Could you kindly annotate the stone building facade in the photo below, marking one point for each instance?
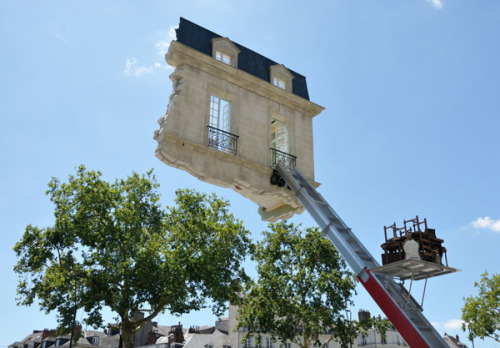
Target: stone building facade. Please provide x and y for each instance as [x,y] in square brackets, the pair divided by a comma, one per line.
[232,115]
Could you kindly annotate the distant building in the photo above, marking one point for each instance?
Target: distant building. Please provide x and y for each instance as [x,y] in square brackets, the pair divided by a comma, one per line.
[222,335]
[454,342]
[225,335]
[50,339]
[233,114]
[33,340]
[392,339]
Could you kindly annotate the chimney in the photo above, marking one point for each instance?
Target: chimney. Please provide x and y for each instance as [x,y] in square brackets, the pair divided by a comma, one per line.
[363,315]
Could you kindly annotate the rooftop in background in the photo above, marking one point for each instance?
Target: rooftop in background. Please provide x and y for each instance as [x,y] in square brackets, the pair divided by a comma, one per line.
[199,38]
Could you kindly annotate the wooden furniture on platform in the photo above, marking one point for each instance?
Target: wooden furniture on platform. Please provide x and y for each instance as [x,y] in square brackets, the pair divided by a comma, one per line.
[430,248]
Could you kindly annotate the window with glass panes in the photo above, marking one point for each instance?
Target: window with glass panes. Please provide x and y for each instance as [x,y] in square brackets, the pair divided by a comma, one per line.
[279,83]
[223,57]
[279,138]
[220,113]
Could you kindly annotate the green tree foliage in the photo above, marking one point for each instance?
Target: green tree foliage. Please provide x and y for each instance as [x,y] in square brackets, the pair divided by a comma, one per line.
[302,291]
[112,245]
[481,313]
[379,324]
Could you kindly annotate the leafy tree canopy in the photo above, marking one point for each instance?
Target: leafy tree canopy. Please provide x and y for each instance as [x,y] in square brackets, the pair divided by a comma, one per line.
[302,291]
[377,323]
[481,313]
[113,245]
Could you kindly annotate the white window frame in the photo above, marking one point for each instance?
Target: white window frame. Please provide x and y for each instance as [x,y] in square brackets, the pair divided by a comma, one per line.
[279,135]
[223,57]
[219,124]
[248,343]
[280,83]
[220,113]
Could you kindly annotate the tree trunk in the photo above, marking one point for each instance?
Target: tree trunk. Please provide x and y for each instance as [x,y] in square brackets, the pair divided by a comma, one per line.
[128,331]
[305,339]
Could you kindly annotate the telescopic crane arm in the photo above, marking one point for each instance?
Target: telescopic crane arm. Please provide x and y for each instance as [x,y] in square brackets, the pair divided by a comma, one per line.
[394,300]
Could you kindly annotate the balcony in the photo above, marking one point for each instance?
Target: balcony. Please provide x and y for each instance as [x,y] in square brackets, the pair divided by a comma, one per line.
[222,140]
[289,161]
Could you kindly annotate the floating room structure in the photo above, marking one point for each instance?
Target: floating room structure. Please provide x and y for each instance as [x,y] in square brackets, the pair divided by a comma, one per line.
[232,115]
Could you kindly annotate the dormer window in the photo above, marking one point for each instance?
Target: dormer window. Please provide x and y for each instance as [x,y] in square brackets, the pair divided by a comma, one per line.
[281,77]
[60,341]
[225,51]
[94,340]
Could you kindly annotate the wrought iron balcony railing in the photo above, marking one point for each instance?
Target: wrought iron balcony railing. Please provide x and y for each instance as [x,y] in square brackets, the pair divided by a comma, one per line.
[289,161]
[222,140]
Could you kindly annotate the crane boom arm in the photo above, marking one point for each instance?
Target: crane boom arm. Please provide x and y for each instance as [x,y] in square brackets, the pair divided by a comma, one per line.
[392,298]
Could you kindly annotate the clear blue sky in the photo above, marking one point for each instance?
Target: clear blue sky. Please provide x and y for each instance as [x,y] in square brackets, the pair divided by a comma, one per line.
[411,91]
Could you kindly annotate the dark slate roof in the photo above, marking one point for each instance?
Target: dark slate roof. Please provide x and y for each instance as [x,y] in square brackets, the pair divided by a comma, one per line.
[199,38]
